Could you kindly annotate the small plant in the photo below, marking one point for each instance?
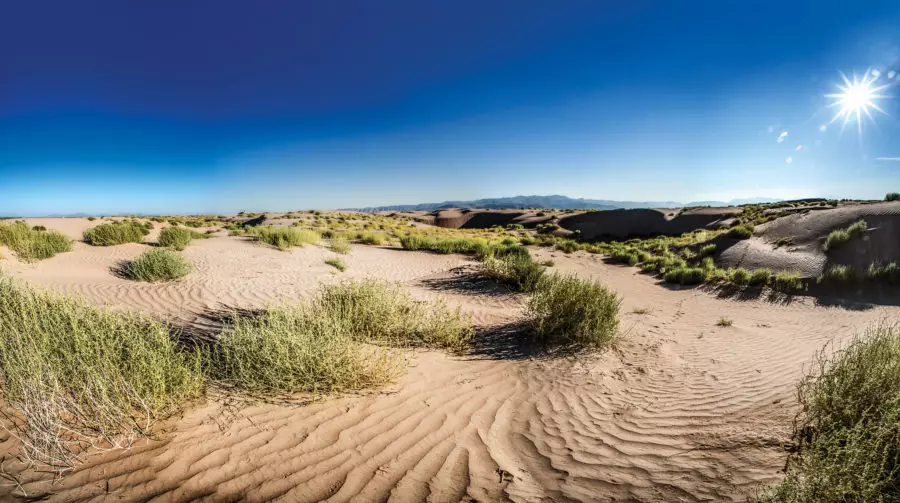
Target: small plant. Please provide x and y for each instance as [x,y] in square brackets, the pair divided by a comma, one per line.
[760,277]
[840,236]
[889,273]
[641,310]
[178,237]
[283,237]
[708,250]
[31,245]
[156,265]
[567,309]
[373,238]
[516,270]
[847,434]
[839,274]
[339,245]
[744,231]
[787,282]
[337,264]
[115,233]
[724,322]
[91,219]
[739,276]
[892,196]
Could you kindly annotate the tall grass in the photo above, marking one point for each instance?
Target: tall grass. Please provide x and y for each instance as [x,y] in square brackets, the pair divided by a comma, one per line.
[340,340]
[157,264]
[840,236]
[79,376]
[339,245]
[116,233]
[847,434]
[566,309]
[30,244]
[283,237]
[178,237]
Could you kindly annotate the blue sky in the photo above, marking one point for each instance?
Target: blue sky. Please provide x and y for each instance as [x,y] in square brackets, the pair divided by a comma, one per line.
[218,106]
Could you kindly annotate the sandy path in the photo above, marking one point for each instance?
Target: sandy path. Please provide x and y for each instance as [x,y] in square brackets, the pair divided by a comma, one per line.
[683,411]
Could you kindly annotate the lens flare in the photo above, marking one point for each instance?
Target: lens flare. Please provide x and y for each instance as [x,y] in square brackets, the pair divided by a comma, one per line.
[857,97]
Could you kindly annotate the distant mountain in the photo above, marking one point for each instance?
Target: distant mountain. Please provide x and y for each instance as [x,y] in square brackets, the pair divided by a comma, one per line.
[735,202]
[555,202]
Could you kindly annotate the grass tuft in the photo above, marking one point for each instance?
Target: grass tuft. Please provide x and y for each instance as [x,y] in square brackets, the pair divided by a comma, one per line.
[31,244]
[339,245]
[337,263]
[157,264]
[283,237]
[116,233]
[80,376]
[178,237]
[567,309]
[839,237]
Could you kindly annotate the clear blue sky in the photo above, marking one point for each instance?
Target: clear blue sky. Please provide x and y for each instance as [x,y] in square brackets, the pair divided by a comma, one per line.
[220,105]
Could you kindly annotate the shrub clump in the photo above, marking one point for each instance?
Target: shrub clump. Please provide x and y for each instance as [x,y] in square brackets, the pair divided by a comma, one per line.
[840,236]
[339,245]
[283,237]
[892,196]
[515,270]
[788,282]
[155,265]
[847,434]
[337,263]
[566,309]
[81,376]
[31,244]
[744,231]
[178,237]
[116,233]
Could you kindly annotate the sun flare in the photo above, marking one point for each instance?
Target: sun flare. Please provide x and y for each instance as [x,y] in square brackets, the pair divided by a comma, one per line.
[857,97]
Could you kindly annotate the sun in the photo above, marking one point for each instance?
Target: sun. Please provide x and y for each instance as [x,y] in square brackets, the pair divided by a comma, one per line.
[857,97]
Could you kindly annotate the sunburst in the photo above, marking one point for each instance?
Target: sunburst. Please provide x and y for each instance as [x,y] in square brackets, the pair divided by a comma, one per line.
[857,97]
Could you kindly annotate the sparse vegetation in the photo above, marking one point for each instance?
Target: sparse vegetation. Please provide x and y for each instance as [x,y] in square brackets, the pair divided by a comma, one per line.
[567,309]
[838,237]
[79,376]
[336,263]
[30,244]
[839,274]
[339,245]
[889,272]
[157,264]
[282,237]
[847,434]
[743,231]
[116,233]
[516,270]
[788,282]
[178,237]
[724,322]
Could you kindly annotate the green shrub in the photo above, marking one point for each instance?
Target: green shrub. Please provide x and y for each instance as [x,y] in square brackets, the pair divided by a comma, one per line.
[416,242]
[847,433]
[892,196]
[788,282]
[839,274]
[339,245]
[373,238]
[566,309]
[707,250]
[157,264]
[91,219]
[724,322]
[283,237]
[889,273]
[513,269]
[115,233]
[337,264]
[739,276]
[80,375]
[744,231]
[760,277]
[31,245]
[840,236]
[685,275]
[178,237]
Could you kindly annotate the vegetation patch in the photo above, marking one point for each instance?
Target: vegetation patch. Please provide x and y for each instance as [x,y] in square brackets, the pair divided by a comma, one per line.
[337,263]
[570,310]
[79,376]
[157,264]
[178,237]
[30,244]
[116,233]
[515,270]
[839,237]
[282,237]
[892,196]
[339,245]
[847,434]
[744,231]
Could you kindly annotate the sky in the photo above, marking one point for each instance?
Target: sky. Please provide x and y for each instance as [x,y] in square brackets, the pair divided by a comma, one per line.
[111,107]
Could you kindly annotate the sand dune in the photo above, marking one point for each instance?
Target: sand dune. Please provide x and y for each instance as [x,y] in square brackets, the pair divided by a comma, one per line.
[646,222]
[683,410]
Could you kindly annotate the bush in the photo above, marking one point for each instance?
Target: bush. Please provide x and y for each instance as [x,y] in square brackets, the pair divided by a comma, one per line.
[707,250]
[787,282]
[840,236]
[178,237]
[685,275]
[739,276]
[91,219]
[339,245]
[892,196]
[115,233]
[416,242]
[81,376]
[847,434]
[566,309]
[889,273]
[155,265]
[744,231]
[373,238]
[839,274]
[337,264]
[283,237]
[760,277]
[516,270]
[31,245]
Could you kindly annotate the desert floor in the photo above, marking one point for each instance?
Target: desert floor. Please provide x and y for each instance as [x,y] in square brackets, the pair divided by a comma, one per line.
[682,410]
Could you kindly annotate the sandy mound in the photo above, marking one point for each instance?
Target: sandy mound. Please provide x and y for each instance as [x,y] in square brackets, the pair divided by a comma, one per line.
[483,219]
[795,242]
[684,410]
[645,222]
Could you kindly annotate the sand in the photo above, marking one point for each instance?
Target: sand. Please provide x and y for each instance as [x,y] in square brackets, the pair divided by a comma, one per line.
[682,410]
